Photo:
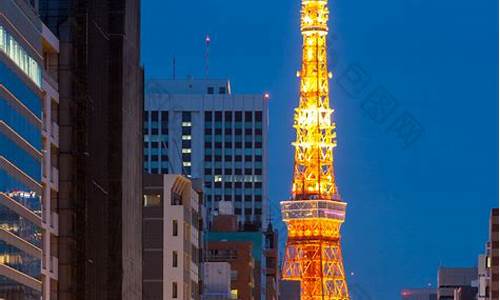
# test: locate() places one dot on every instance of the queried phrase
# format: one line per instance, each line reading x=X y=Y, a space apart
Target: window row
x=218 y=145
x=229 y=138
x=233 y=131
x=209 y=171
x=257 y=199
x=248 y=116
x=257 y=158
x=246 y=151
x=230 y=185
x=155 y=116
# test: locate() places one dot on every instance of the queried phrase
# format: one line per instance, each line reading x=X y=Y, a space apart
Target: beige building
x=50 y=167
x=171 y=238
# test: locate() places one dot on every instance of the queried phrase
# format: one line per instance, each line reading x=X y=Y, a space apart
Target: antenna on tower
x=207 y=44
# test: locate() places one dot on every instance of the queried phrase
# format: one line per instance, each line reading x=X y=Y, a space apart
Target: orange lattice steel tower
x=315 y=213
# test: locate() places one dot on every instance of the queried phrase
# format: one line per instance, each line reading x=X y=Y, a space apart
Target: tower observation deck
x=315 y=212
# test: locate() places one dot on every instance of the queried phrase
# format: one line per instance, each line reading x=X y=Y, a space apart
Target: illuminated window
x=186 y=150
x=186 y=164
x=234 y=294
x=186 y=124
x=20 y=57
x=152 y=200
x=186 y=137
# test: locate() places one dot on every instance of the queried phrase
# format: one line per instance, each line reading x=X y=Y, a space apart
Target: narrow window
x=174 y=259
x=174 y=290
x=174 y=228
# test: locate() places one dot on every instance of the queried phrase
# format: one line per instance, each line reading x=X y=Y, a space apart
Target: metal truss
x=315 y=213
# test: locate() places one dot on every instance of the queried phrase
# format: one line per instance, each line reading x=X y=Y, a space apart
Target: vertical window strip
x=20 y=57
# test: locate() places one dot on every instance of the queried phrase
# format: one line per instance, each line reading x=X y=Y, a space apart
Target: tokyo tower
x=315 y=212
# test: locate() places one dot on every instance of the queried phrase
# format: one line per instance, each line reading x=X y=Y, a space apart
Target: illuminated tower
x=315 y=212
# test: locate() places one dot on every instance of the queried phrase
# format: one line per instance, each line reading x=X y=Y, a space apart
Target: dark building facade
x=271 y=256
x=100 y=159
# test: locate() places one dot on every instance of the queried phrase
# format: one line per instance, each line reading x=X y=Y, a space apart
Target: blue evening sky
x=400 y=68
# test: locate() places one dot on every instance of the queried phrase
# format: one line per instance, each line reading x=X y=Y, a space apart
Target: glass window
x=186 y=116
x=248 y=116
x=208 y=116
x=258 y=116
x=238 y=116
x=20 y=57
x=218 y=116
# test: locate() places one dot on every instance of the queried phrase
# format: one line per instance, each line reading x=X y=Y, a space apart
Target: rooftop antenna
x=207 y=44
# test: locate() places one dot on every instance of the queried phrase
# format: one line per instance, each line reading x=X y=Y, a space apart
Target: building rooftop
x=255 y=237
x=189 y=86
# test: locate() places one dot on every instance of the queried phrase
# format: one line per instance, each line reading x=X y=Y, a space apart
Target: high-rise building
x=315 y=212
x=171 y=238
x=450 y=279
x=28 y=153
x=100 y=147
x=419 y=294
x=201 y=129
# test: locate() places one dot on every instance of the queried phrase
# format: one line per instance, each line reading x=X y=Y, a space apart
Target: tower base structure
x=313 y=252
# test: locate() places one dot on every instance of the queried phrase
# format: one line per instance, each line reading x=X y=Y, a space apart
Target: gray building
x=450 y=279
x=201 y=129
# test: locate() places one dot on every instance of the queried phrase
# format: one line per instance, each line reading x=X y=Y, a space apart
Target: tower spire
x=315 y=213
x=313 y=171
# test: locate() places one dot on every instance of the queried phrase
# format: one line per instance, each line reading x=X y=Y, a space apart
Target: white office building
x=200 y=129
